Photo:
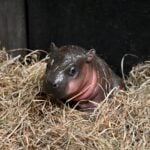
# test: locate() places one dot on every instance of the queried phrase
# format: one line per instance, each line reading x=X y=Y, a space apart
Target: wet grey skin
x=66 y=64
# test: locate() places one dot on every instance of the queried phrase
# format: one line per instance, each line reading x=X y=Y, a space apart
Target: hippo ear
x=90 y=55
x=53 y=47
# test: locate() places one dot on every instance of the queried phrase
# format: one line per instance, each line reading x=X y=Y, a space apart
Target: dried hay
x=27 y=121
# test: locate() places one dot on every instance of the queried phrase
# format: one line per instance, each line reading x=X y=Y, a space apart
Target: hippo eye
x=72 y=71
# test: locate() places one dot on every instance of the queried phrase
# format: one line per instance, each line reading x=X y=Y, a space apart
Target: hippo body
x=78 y=77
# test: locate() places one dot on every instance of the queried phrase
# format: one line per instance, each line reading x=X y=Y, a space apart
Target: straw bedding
x=30 y=121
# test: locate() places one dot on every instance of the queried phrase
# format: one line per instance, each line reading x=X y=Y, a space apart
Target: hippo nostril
x=55 y=85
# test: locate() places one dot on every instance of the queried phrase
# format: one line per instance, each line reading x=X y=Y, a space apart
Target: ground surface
x=27 y=121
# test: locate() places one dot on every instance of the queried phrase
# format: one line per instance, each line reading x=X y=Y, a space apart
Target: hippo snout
x=55 y=84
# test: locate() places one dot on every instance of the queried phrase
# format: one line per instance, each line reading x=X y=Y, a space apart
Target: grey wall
x=12 y=24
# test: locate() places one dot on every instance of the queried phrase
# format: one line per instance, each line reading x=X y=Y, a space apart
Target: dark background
x=113 y=28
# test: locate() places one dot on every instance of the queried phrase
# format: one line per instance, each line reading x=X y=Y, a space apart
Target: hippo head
x=70 y=73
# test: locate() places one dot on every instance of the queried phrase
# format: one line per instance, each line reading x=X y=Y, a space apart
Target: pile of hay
x=27 y=121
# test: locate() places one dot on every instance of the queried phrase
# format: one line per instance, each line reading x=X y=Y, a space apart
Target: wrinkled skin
x=76 y=76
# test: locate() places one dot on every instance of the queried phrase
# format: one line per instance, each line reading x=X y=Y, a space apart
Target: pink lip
x=85 y=87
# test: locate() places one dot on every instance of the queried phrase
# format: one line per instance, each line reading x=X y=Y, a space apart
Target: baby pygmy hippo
x=78 y=76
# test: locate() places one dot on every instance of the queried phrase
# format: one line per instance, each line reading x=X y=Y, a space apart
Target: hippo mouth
x=85 y=87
